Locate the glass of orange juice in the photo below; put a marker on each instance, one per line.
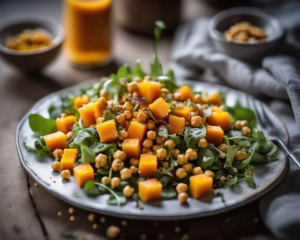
(88, 30)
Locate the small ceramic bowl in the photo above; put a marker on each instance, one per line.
(249, 51)
(31, 60)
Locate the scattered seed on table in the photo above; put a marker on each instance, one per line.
(143, 237)
(185, 237)
(124, 223)
(71, 210)
(160, 236)
(59, 213)
(72, 218)
(102, 219)
(113, 231)
(177, 229)
(36, 184)
(95, 226)
(91, 217)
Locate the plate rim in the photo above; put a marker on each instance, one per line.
(269, 186)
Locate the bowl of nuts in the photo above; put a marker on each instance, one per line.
(31, 44)
(246, 33)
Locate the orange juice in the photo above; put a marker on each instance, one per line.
(88, 32)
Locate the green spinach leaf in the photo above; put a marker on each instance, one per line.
(168, 193)
(41, 126)
(192, 135)
(205, 158)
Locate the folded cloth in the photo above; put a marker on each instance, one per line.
(194, 57)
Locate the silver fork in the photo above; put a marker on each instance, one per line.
(269, 128)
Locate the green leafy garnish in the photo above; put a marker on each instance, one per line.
(41, 126)
(192, 135)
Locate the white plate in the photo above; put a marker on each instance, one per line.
(266, 176)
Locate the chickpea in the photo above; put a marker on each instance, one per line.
(181, 187)
(102, 102)
(203, 119)
(126, 174)
(191, 154)
(120, 155)
(104, 93)
(136, 95)
(238, 125)
(141, 117)
(197, 170)
(132, 87)
(105, 180)
(134, 114)
(175, 153)
(183, 197)
(101, 160)
(123, 135)
(58, 153)
(85, 97)
(190, 115)
(182, 159)
(155, 148)
(160, 140)
(134, 169)
(117, 165)
(202, 143)
(65, 174)
(196, 121)
(178, 96)
(165, 163)
(223, 178)
(142, 106)
(120, 118)
(164, 90)
(63, 115)
(137, 79)
(197, 98)
(240, 156)
(200, 109)
(134, 162)
(244, 123)
(128, 191)
(69, 135)
(145, 150)
(161, 154)
(71, 210)
(151, 135)
(181, 173)
(246, 131)
(127, 114)
(127, 106)
(55, 166)
(113, 231)
(100, 120)
(115, 182)
(91, 217)
(147, 143)
(223, 147)
(188, 167)
(169, 143)
(150, 124)
(209, 173)
(92, 126)
(149, 153)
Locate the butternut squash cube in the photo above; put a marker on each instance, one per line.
(221, 119)
(215, 99)
(186, 92)
(80, 101)
(137, 130)
(83, 173)
(200, 185)
(150, 90)
(147, 165)
(87, 114)
(98, 111)
(55, 140)
(183, 112)
(68, 159)
(214, 134)
(65, 124)
(131, 147)
(150, 190)
(177, 124)
(107, 131)
(160, 108)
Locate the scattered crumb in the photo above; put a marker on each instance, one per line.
(113, 231)
(185, 237)
(143, 237)
(72, 218)
(177, 229)
(95, 226)
(36, 184)
(71, 210)
(54, 181)
(102, 219)
(124, 223)
(91, 217)
(59, 213)
(160, 236)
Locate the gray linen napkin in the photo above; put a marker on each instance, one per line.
(194, 57)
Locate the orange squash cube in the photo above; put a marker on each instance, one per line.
(150, 90)
(215, 99)
(98, 111)
(137, 130)
(200, 185)
(177, 124)
(131, 147)
(150, 190)
(68, 159)
(147, 165)
(83, 173)
(80, 101)
(214, 134)
(87, 114)
(183, 112)
(107, 131)
(55, 140)
(160, 108)
(221, 119)
(186, 92)
(65, 124)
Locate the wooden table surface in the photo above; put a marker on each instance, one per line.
(29, 212)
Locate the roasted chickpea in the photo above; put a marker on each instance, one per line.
(102, 102)
(128, 191)
(141, 117)
(104, 93)
(240, 156)
(117, 165)
(127, 106)
(151, 135)
(105, 180)
(160, 140)
(134, 169)
(181, 159)
(200, 109)
(244, 123)
(181, 173)
(134, 162)
(119, 155)
(197, 98)
(209, 173)
(123, 135)
(113, 231)
(203, 119)
(145, 150)
(137, 79)
(223, 147)
(183, 197)
(165, 163)
(132, 87)
(164, 90)
(115, 182)
(100, 120)
(181, 187)
(223, 178)
(169, 143)
(150, 124)
(100, 160)
(202, 143)
(120, 118)
(92, 126)
(196, 121)
(188, 167)
(125, 174)
(65, 174)
(63, 115)
(197, 170)
(156, 147)
(58, 153)
(91, 217)
(190, 115)
(147, 143)
(55, 166)
(134, 114)
(127, 114)
(69, 135)
(246, 131)
(161, 154)
(238, 125)
(178, 96)
(191, 154)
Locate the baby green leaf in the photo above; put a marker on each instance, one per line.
(246, 162)
(137, 71)
(98, 147)
(124, 72)
(112, 200)
(41, 126)
(192, 135)
(205, 158)
(168, 192)
(90, 188)
(249, 178)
